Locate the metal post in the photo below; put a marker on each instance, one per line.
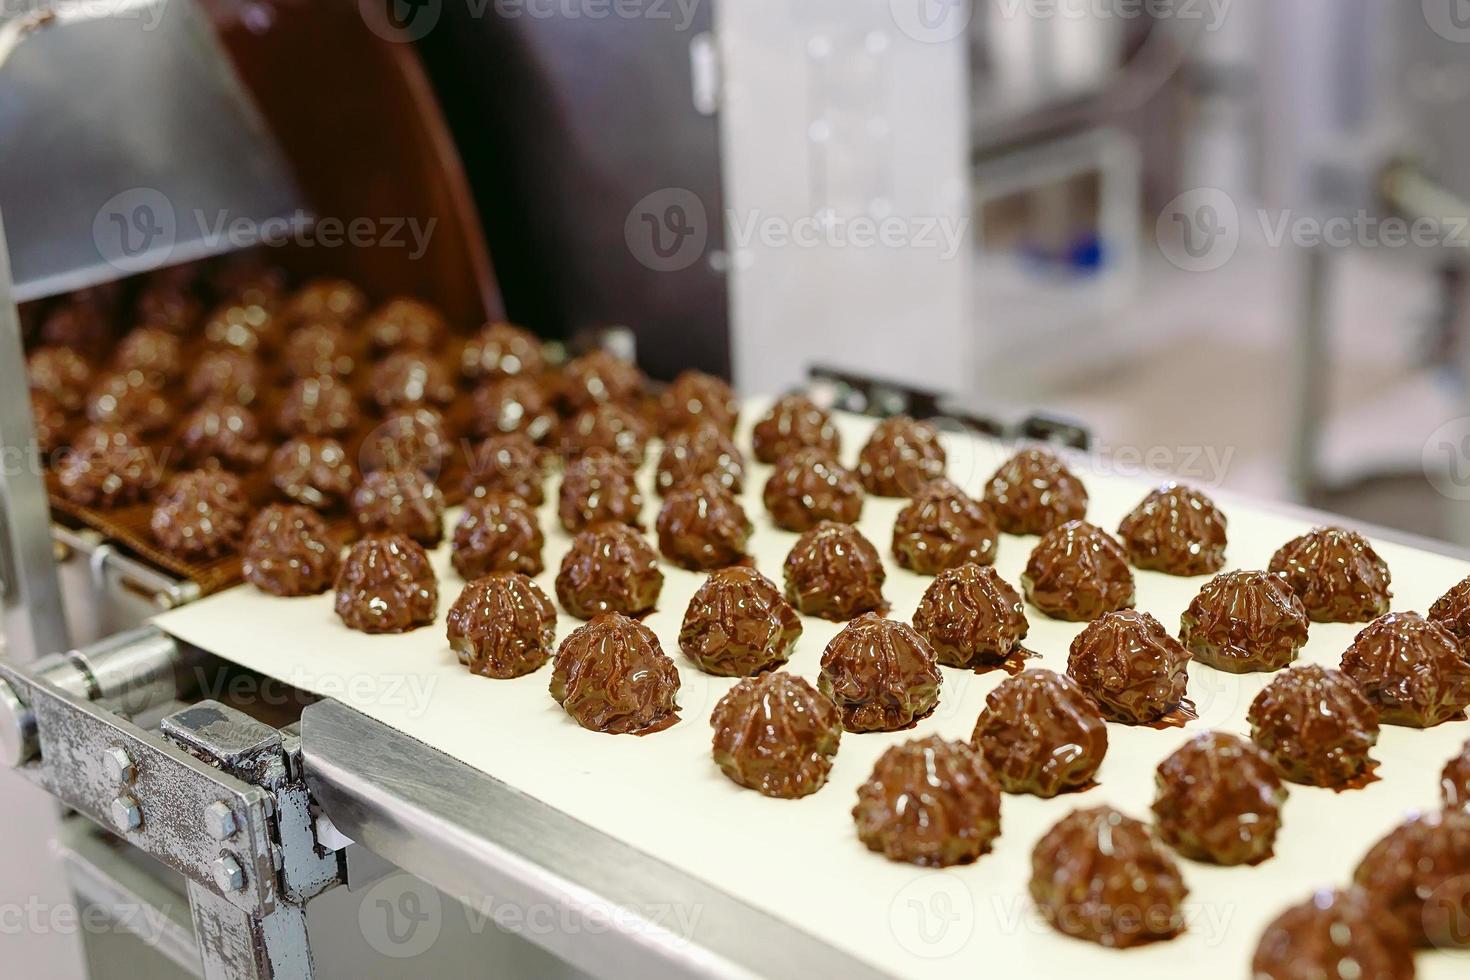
(1312, 371)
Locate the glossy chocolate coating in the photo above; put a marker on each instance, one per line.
(400, 502)
(595, 487)
(1176, 530)
(1454, 781)
(387, 586)
(701, 526)
(514, 404)
(699, 451)
(1078, 572)
(1033, 492)
(288, 552)
(776, 734)
(410, 439)
(1131, 666)
(1334, 935)
(168, 306)
(1219, 800)
(610, 426)
(313, 470)
(695, 398)
(502, 350)
(1244, 621)
(1101, 876)
(152, 352)
(881, 673)
(321, 406)
(225, 434)
(1412, 669)
(507, 464)
(107, 466)
(408, 378)
(225, 376)
(609, 568)
(242, 326)
(61, 373)
(502, 626)
(612, 676)
(738, 624)
(834, 572)
(929, 802)
(129, 399)
(53, 423)
(1452, 611)
(322, 349)
(900, 457)
(1315, 725)
(201, 515)
(1337, 575)
(941, 528)
(329, 299)
(497, 533)
(1041, 734)
(809, 487)
(599, 377)
(1420, 874)
(794, 422)
(405, 323)
(971, 616)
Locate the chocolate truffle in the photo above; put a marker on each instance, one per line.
(502, 626)
(1452, 611)
(809, 487)
(1334, 935)
(400, 502)
(942, 528)
(1219, 800)
(703, 526)
(407, 378)
(929, 802)
(201, 515)
(776, 734)
(52, 422)
(610, 426)
(1316, 726)
(881, 673)
(598, 486)
(599, 377)
(1244, 621)
(327, 299)
(288, 552)
(611, 676)
(61, 373)
(1175, 530)
(514, 404)
(321, 406)
(794, 422)
(168, 306)
(1420, 875)
(405, 323)
(900, 457)
(321, 349)
(834, 572)
(225, 376)
(502, 350)
(313, 471)
(241, 326)
(737, 625)
(387, 586)
(1411, 669)
(507, 464)
(1033, 492)
(1455, 780)
(1101, 876)
(1078, 572)
(78, 324)
(696, 398)
(107, 466)
(695, 452)
(609, 568)
(410, 439)
(1337, 575)
(972, 617)
(1131, 666)
(497, 533)
(129, 399)
(1041, 734)
(225, 434)
(154, 353)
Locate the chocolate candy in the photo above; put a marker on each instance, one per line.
(881, 673)
(406, 378)
(225, 376)
(1316, 726)
(502, 626)
(834, 572)
(599, 377)
(1244, 621)
(1219, 800)
(972, 617)
(497, 533)
(152, 352)
(737, 625)
(387, 586)
(776, 734)
(322, 349)
(929, 802)
(168, 306)
(611, 676)
(409, 439)
(513, 404)
(1455, 780)
(1101, 876)
(1131, 666)
(61, 373)
(794, 422)
(319, 406)
(1078, 572)
(52, 422)
(703, 526)
(313, 471)
(609, 568)
(201, 515)
(400, 502)
(1412, 670)
(900, 457)
(610, 426)
(78, 324)
(129, 399)
(1033, 492)
(502, 350)
(328, 299)
(507, 464)
(809, 487)
(695, 452)
(1334, 935)
(1337, 575)
(598, 487)
(1420, 875)
(696, 398)
(107, 466)
(288, 552)
(223, 434)
(1041, 734)
(942, 528)
(405, 323)
(242, 326)
(1452, 611)
(1176, 530)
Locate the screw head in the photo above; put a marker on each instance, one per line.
(18, 740)
(219, 821)
(228, 874)
(118, 764)
(126, 813)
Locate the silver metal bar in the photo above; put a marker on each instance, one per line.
(236, 945)
(1311, 369)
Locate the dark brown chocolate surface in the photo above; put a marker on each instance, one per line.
(699, 451)
(881, 673)
(1101, 876)
(599, 377)
(809, 487)
(61, 373)
(941, 527)
(326, 298)
(609, 568)
(413, 438)
(400, 502)
(223, 434)
(1131, 666)
(129, 399)
(1413, 670)
(900, 457)
(502, 626)
(513, 404)
(1454, 781)
(794, 422)
(507, 464)
(226, 376)
(153, 352)
(501, 350)
(499, 532)
(611, 676)
(1244, 621)
(1219, 800)
(1033, 492)
(1420, 874)
(929, 802)
(776, 734)
(834, 572)
(387, 586)
(200, 515)
(972, 617)
(596, 487)
(1078, 572)
(1176, 530)
(314, 471)
(322, 349)
(319, 406)
(406, 378)
(1041, 734)
(107, 466)
(610, 426)
(246, 327)
(1337, 575)
(1334, 935)
(404, 323)
(52, 421)
(738, 624)
(288, 552)
(702, 526)
(1452, 611)
(1316, 725)
(696, 398)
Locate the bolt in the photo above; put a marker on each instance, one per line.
(118, 764)
(228, 874)
(18, 741)
(219, 820)
(126, 814)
